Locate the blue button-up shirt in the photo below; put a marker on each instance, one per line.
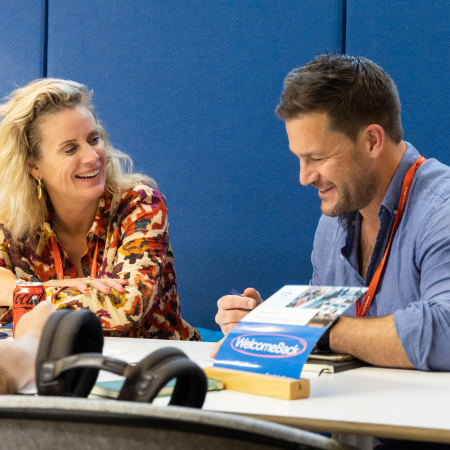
(415, 285)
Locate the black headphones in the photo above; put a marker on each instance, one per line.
(70, 357)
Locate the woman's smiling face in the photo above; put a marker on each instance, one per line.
(73, 163)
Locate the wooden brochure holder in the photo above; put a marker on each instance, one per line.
(255, 383)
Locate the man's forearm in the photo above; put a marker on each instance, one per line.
(17, 363)
(373, 340)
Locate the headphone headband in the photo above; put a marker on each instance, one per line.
(51, 370)
(69, 359)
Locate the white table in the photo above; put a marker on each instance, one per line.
(400, 404)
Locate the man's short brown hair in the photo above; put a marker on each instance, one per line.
(352, 90)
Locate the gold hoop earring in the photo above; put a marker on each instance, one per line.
(39, 189)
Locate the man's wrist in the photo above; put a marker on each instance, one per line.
(346, 334)
(323, 344)
(31, 338)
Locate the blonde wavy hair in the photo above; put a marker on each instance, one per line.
(21, 212)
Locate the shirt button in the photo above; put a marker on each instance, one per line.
(342, 256)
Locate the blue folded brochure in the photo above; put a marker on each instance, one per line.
(277, 337)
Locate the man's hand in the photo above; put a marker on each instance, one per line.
(233, 308)
(33, 323)
(18, 356)
(216, 348)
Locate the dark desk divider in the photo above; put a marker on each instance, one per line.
(189, 89)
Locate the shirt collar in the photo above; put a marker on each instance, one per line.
(107, 208)
(345, 219)
(392, 196)
(49, 226)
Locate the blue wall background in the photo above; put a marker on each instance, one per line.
(189, 89)
(22, 43)
(411, 41)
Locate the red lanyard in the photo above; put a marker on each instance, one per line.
(361, 310)
(58, 262)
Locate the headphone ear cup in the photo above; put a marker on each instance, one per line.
(75, 332)
(191, 385)
(164, 365)
(45, 347)
(128, 391)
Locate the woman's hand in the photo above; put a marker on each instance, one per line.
(8, 283)
(100, 284)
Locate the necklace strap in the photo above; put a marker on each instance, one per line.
(94, 261)
(58, 261)
(362, 309)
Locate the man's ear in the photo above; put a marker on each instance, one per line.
(374, 139)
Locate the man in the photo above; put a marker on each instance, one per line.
(343, 122)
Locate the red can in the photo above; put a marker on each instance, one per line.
(26, 297)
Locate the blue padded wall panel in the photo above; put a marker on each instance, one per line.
(22, 43)
(410, 40)
(189, 89)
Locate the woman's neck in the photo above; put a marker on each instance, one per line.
(74, 220)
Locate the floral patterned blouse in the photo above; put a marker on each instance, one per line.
(133, 237)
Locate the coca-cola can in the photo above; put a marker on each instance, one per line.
(26, 297)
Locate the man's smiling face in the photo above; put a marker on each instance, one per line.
(331, 162)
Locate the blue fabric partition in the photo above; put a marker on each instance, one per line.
(22, 43)
(189, 89)
(411, 41)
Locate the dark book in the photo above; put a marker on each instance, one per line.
(331, 366)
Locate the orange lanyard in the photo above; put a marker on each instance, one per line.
(58, 262)
(361, 310)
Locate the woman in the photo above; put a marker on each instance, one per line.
(70, 217)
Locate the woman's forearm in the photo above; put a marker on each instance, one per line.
(8, 283)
